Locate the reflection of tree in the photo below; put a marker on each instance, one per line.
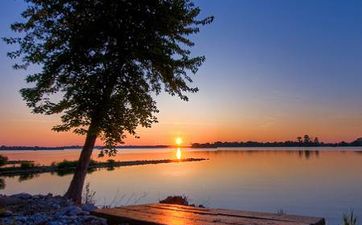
(27, 176)
(110, 168)
(2, 183)
(71, 171)
(64, 172)
(308, 154)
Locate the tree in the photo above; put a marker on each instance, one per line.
(316, 141)
(299, 140)
(102, 63)
(306, 139)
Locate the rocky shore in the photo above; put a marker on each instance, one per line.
(29, 209)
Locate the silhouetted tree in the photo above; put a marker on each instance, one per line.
(316, 141)
(306, 139)
(105, 60)
(299, 139)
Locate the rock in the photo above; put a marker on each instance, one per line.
(6, 213)
(55, 206)
(69, 211)
(88, 207)
(7, 201)
(83, 213)
(55, 223)
(37, 196)
(94, 220)
(45, 209)
(24, 196)
(39, 218)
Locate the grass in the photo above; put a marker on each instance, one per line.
(89, 195)
(350, 218)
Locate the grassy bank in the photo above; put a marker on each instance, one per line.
(69, 166)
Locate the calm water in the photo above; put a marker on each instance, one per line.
(321, 182)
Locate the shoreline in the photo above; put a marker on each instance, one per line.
(75, 147)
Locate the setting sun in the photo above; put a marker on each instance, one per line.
(178, 141)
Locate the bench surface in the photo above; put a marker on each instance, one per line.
(165, 214)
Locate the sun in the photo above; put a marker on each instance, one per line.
(178, 141)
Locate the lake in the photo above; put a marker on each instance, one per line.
(324, 182)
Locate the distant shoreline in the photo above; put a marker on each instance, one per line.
(44, 148)
(202, 146)
(306, 141)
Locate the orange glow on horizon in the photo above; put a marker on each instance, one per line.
(31, 130)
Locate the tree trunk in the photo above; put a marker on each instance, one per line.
(76, 186)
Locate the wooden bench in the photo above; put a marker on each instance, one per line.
(166, 214)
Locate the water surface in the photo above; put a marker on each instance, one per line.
(312, 181)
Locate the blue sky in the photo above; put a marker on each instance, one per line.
(275, 69)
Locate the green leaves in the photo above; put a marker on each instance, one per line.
(105, 59)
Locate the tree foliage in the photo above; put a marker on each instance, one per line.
(102, 62)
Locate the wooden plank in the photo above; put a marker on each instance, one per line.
(134, 217)
(162, 214)
(238, 213)
(233, 213)
(208, 217)
(156, 216)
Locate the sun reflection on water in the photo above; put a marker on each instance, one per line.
(178, 153)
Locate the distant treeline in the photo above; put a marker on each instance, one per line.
(4, 147)
(35, 148)
(305, 141)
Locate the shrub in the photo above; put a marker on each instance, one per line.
(177, 200)
(26, 165)
(3, 160)
(65, 164)
(92, 162)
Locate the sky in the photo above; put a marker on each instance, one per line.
(274, 70)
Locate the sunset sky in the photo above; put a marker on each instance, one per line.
(274, 70)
